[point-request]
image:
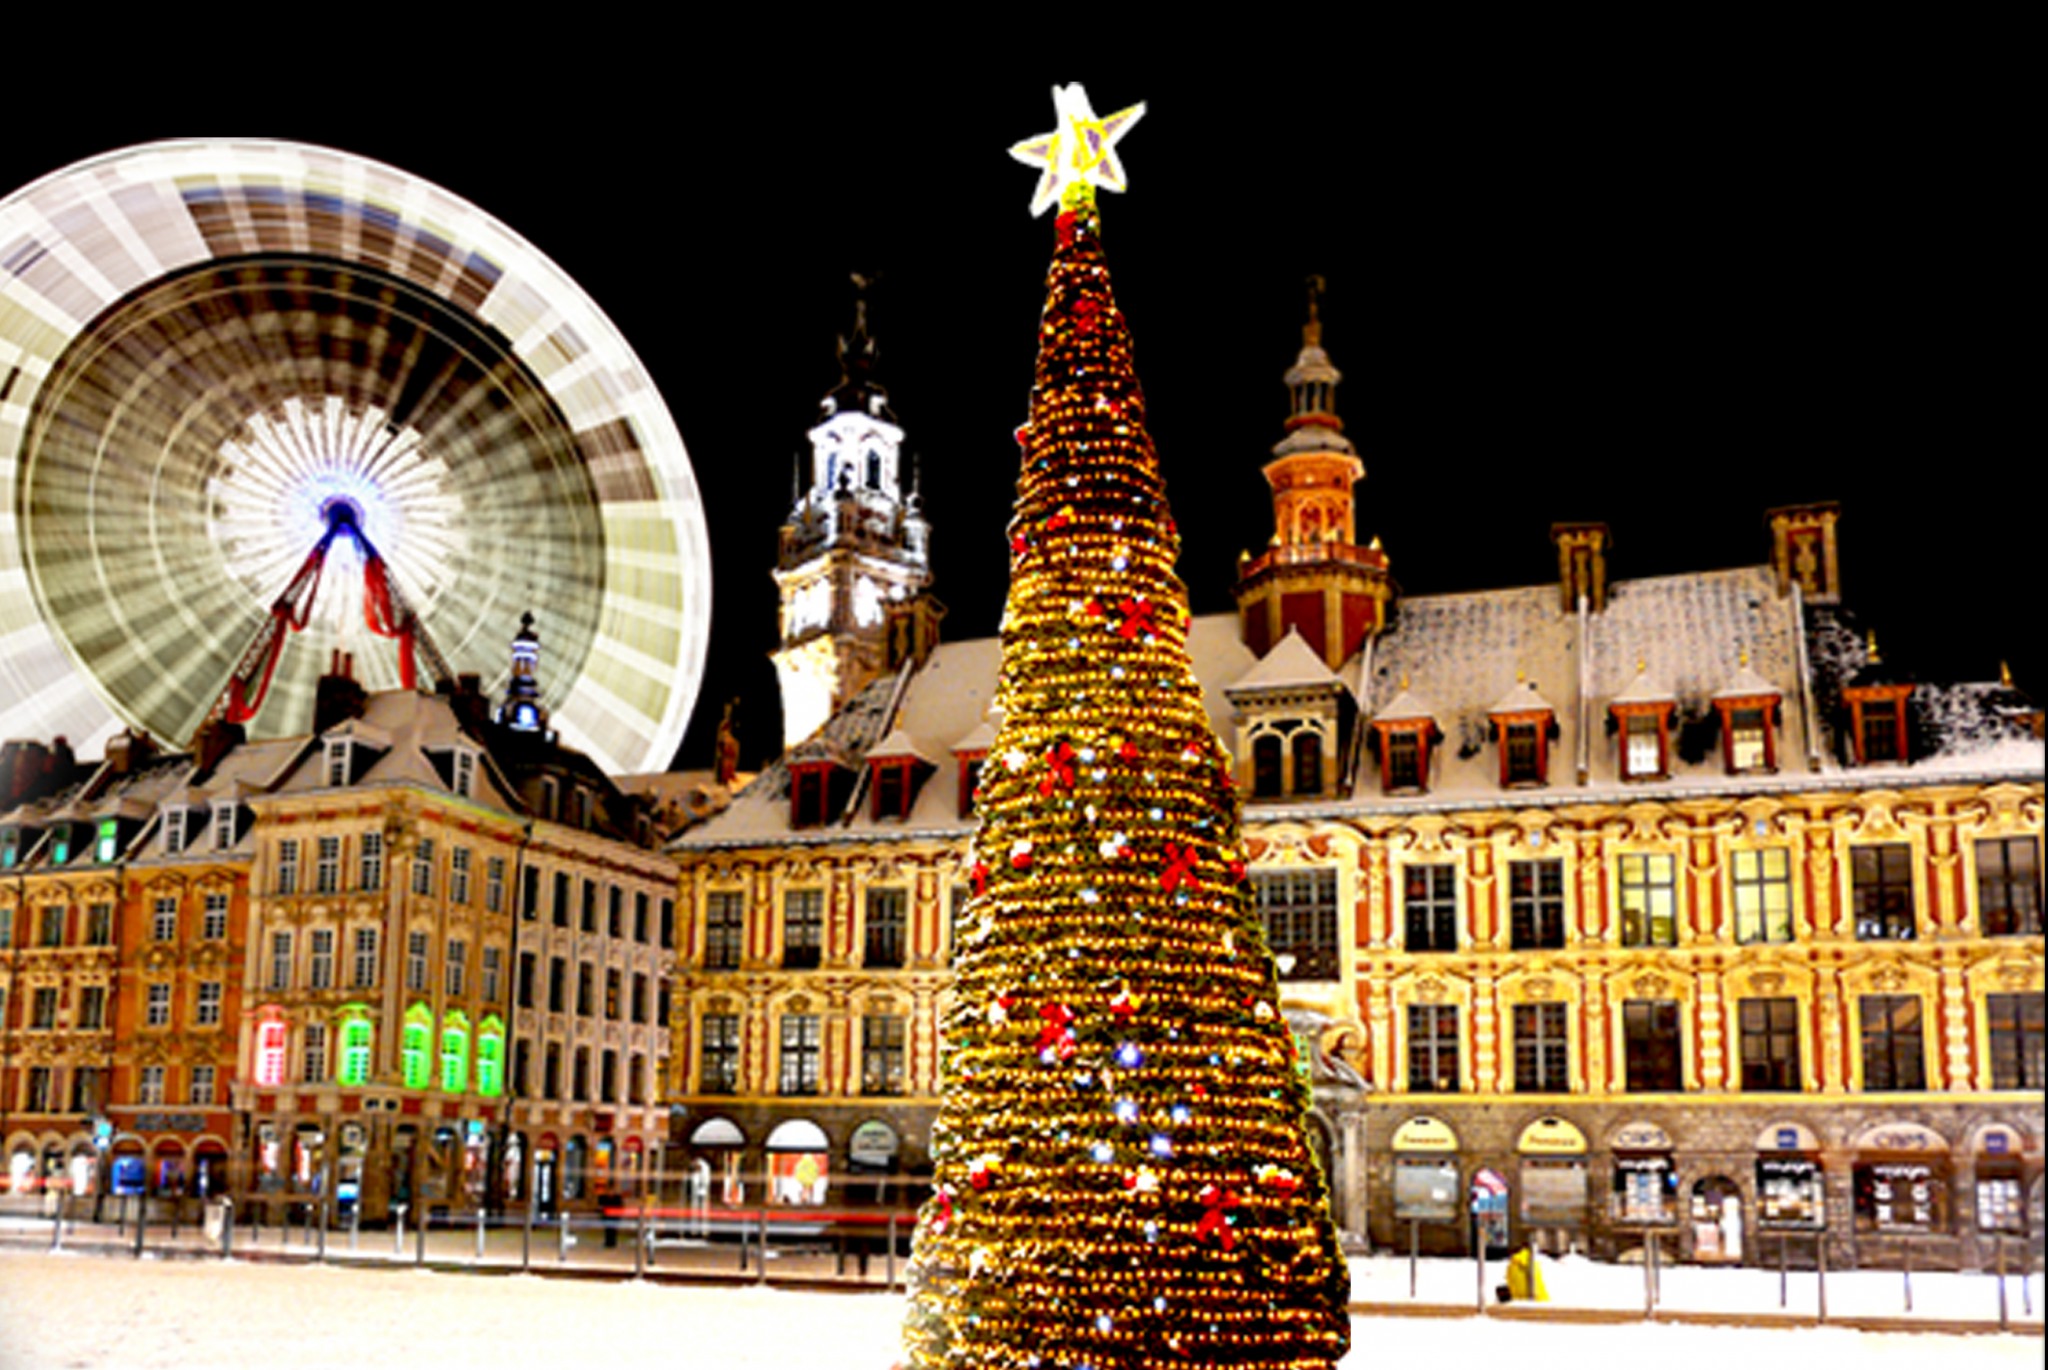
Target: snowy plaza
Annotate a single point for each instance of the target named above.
(75, 1310)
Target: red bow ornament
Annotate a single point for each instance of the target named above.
(1020, 854)
(1059, 772)
(942, 1211)
(1180, 867)
(980, 877)
(1139, 616)
(1215, 1222)
(1056, 1035)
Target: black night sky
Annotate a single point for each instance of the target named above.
(1669, 303)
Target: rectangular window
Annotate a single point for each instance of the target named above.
(558, 984)
(614, 983)
(892, 790)
(806, 796)
(370, 863)
(881, 1054)
(288, 866)
(1536, 905)
(725, 929)
(88, 1088)
(1308, 764)
(586, 989)
(1543, 1049)
(92, 1008)
(1525, 760)
(494, 885)
(320, 967)
(44, 1009)
(174, 830)
(608, 1077)
(1882, 878)
(1644, 755)
(1880, 730)
(661, 1003)
(455, 967)
(1763, 894)
(458, 876)
(1770, 1045)
(223, 826)
(803, 928)
(313, 1054)
(1299, 909)
(416, 962)
(1649, 899)
(206, 1008)
(363, 964)
(639, 997)
(1433, 1048)
(641, 924)
(151, 1089)
(1404, 759)
(551, 1071)
(1746, 749)
(493, 972)
(106, 845)
(719, 1059)
(280, 960)
(562, 899)
(213, 917)
(2009, 886)
(589, 906)
(163, 920)
(327, 865)
(50, 933)
(423, 868)
(465, 772)
(529, 893)
(1651, 1041)
(337, 763)
(581, 1073)
(524, 989)
(1429, 907)
(799, 1053)
(615, 911)
(668, 923)
(2016, 1041)
(157, 1007)
(99, 924)
(37, 1099)
(1893, 1057)
(885, 929)
(201, 1092)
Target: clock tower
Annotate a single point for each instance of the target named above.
(853, 567)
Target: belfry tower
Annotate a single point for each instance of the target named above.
(853, 564)
(1313, 577)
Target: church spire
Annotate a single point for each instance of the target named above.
(522, 708)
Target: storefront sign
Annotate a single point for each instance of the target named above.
(1901, 1137)
(170, 1122)
(1424, 1134)
(873, 1143)
(1787, 1137)
(1640, 1137)
(1997, 1141)
(1789, 1195)
(1551, 1137)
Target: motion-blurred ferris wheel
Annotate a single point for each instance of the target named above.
(214, 353)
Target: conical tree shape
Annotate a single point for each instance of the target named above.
(1122, 1173)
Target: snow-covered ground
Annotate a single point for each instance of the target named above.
(82, 1311)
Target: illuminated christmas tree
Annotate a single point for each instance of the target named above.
(1122, 1176)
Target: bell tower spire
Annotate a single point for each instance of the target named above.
(853, 565)
(1313, 578)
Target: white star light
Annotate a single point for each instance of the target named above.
(1081, 149)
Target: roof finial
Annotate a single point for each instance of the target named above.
(1312, 331)
(2005, 674)
(1870, 648)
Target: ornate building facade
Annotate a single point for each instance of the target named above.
(1664, 903)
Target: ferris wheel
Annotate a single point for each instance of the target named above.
(215, 355)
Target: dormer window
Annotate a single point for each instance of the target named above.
(1405, 731)
(1308, 764)
(1748, 740)
(107, 843)
(1403, 766)
(223, 825)
(1643, 732)
(338, 759)
(1524, 725)
(1878, 731)
(463, 764)
(174, 829)
(1266, 766)
(10, 847)
(970, 779)
(60, 844)
(1522, 754)
(808, 786)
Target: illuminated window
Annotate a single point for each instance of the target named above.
(1649, 899)
(107, 845)
(1642, 755)
(270, 1033)
(799, 1053)
(1299, 909)
(455, 1053)
(1763, 894)
(2017, 1057)
(725, 928)
(356, 1030)
(10, 847)
(1748, 740)
(2009, 886)
(490, 1057)
(213, 917)
(60, 844)
(415, 1047)
(613, 983)
(1433, 1048)
(881, 1053)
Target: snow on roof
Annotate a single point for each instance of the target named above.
(1745, 684)
(898, 743)
(1292, 664)
(1522, 697)
(1645, 689)
(1405, 707)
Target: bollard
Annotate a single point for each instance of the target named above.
(1649, 1276)
(320, 1211)
(140, 1215)
(397, 1230)
(526, 1237)
(1478, 1265)
(764, 1243)
(479, 1234)
(1820, 1275)
(2004, 1318)
(1414, 1253)
(562, 1239)
(227, 1228)
(419, 1237)
(1906, 1273)
(1783, 1275)
(355, 1220)
(640, 1240)
(57, 1228)
(889, 1266)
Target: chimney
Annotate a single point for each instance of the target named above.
(215, 739)
(1803, 551)
(337, 696)
(1581, 564)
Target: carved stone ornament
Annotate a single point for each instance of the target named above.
(1888, 978)
(2017, 975)
(1538, 988)
(1431, 990)
(1651, 985)
(1767, 982)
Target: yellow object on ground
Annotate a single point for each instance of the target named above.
(1525, 1277)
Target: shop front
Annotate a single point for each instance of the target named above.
(1429, 1198)
(1791, 1191)
(715, 1164)
(1999, 1160)
(799, 1164)
(1901, 1178)
(1552, 1160)
(1643, 1195)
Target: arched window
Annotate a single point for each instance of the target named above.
(1266, 766)
(490, 1057)
(455, 1053)
(1308, 763)
(270, 1041)
(416, 1047)
(356, 1029)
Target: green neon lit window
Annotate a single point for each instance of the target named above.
(455, 1054)
(416, 1047)
(60, 845)
(109, 839)
(354, 1068)
(490, 1057)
